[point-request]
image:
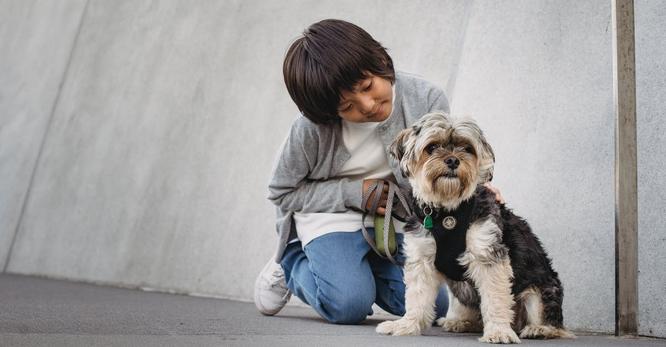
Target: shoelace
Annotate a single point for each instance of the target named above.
(278, 276)
(393, 191)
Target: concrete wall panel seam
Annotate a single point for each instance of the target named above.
(26, 196)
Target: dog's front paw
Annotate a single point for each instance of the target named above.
(459, 326)
(399, 327)
(499, 334)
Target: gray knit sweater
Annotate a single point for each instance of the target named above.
(304, 178)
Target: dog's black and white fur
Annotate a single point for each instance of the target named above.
(500, 278)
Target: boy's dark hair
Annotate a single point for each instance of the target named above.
(332, 56)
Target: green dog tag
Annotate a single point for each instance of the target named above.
(427, 222)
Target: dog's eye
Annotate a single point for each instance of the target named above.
(432, 147)
(468, 149)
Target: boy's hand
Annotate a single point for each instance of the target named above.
(381, 206)
(498, 196)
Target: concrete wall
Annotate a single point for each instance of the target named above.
(154, 167)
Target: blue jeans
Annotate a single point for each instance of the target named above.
(340, 276)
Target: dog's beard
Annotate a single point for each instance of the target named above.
(436, 184)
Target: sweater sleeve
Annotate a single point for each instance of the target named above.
(438, 101)
(291, 188)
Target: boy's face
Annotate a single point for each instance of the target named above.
(371, 100)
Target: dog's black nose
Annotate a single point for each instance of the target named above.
(452, 162)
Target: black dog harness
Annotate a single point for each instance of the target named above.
(449, 229)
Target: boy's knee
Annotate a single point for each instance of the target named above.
(442, 304)
(348, 309)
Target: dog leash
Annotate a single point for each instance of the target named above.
(393, 191)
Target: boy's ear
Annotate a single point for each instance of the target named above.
(399, 151)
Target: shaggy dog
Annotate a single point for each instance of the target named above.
(500, 278)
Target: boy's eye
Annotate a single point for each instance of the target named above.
(345, 108)
(368, 87)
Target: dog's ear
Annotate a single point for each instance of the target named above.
(486, 153)
(398, 150)
(487, 163)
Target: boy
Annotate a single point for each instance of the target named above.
(353, 105)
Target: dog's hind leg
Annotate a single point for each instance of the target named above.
(422, 281)
(544, 313)
(460, 318)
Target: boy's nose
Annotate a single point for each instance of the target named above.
(367, 104)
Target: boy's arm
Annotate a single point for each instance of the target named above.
(438, 101)
(332, 195)
(291, 189)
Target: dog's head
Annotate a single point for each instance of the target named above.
(444, 159)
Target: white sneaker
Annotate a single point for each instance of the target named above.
(270, 289)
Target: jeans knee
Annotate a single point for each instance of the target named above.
(442, 304)
(351, 309)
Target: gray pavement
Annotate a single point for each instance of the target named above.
(44, 312)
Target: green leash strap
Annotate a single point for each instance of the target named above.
(384, 244)
(385, 239)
